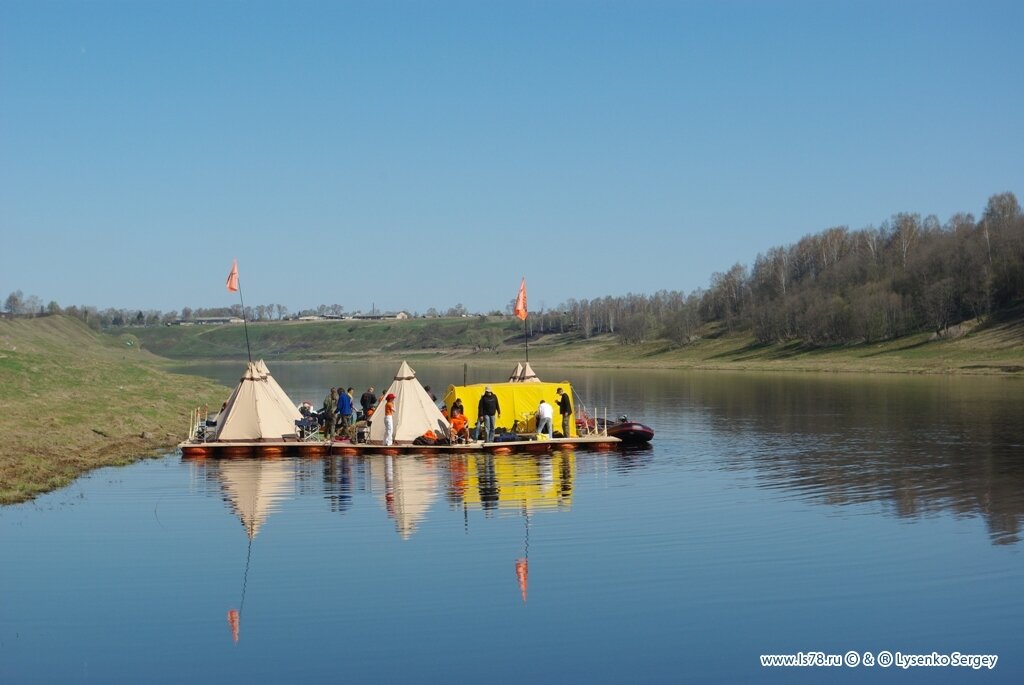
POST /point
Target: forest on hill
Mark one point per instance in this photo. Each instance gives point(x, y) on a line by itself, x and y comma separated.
point(909, 275)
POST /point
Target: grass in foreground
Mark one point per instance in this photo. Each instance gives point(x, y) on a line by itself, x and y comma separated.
point(75, 401)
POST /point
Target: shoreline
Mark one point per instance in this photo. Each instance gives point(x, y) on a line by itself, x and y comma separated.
point(79, 400)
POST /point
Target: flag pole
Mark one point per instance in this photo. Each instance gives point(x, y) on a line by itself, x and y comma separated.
point(245, 324)
point(526, 337)
point(234, 287)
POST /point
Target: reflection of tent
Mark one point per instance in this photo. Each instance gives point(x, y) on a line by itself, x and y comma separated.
point(255, 488)
point(529, 483)
point(258, 409)
point(415, 412)
point(412, 490)
point(518, 402)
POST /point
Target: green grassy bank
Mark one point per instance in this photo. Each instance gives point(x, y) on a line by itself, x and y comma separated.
point(995, 347)
point(74, 400)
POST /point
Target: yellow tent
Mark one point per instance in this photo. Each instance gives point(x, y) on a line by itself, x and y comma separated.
point(518, 403)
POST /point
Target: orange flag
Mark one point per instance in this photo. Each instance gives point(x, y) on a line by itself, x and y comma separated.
point(520, 309)
point(233, 620)
point(523, 575)
point(233, 277)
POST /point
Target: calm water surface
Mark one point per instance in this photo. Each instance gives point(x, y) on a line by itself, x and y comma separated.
point(772, 515)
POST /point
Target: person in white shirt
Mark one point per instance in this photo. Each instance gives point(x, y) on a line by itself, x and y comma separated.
point(544, 414)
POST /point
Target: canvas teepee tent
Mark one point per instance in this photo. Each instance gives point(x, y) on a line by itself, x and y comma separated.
point(528, 376)
point(415, 412)
point(516, 373)
point(256, 411)
point(280, 395)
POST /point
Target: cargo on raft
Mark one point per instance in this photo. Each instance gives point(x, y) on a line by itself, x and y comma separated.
point(260, 420)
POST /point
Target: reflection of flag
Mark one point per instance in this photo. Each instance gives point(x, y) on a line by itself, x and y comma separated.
point(233, 622)
point(233, 277)
point(520, 309)
point(523, 574)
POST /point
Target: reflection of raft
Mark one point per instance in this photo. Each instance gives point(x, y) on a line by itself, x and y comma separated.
point(322, 448)
point(597, 442)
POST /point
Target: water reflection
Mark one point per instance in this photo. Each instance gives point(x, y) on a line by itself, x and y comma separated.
point(254, 489)
point(406, 486)
point(914, 446)
point(897, 442)
point(410, 487)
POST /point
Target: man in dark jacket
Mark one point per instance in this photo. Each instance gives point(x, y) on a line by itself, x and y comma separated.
point(565, 409)
point(486, 411)
point(367, 401)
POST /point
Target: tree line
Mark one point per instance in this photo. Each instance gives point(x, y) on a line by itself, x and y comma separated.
point(838, 286)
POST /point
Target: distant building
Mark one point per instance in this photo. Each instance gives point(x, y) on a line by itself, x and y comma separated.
point(209, 320)
point(378, 316)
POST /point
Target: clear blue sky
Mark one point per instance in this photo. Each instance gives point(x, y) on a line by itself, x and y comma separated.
point(425, 154)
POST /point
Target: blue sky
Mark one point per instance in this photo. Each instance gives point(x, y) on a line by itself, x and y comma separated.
point(411, 155)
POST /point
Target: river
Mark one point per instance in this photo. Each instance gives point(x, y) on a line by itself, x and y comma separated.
point(830, 518)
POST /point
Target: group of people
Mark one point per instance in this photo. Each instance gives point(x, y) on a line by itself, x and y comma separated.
point(339, 414)
point(456, 415)
point(489, 410)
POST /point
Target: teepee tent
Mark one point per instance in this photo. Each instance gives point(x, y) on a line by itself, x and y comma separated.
point(415, 412)
point(255, 411)
point(528, 376)
point(282, 397)
point(517, 373)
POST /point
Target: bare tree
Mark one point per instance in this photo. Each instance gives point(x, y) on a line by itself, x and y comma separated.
point(14, 302)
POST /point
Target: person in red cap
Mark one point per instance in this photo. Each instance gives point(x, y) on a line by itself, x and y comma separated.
point(389, 419)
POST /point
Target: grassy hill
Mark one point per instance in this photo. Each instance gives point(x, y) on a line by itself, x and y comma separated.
point(75, 400)
point(995, 347)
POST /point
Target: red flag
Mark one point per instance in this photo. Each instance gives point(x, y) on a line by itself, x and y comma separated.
point(233, 619)
point(233, 277)
point(520, 309)
point(523, 575)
